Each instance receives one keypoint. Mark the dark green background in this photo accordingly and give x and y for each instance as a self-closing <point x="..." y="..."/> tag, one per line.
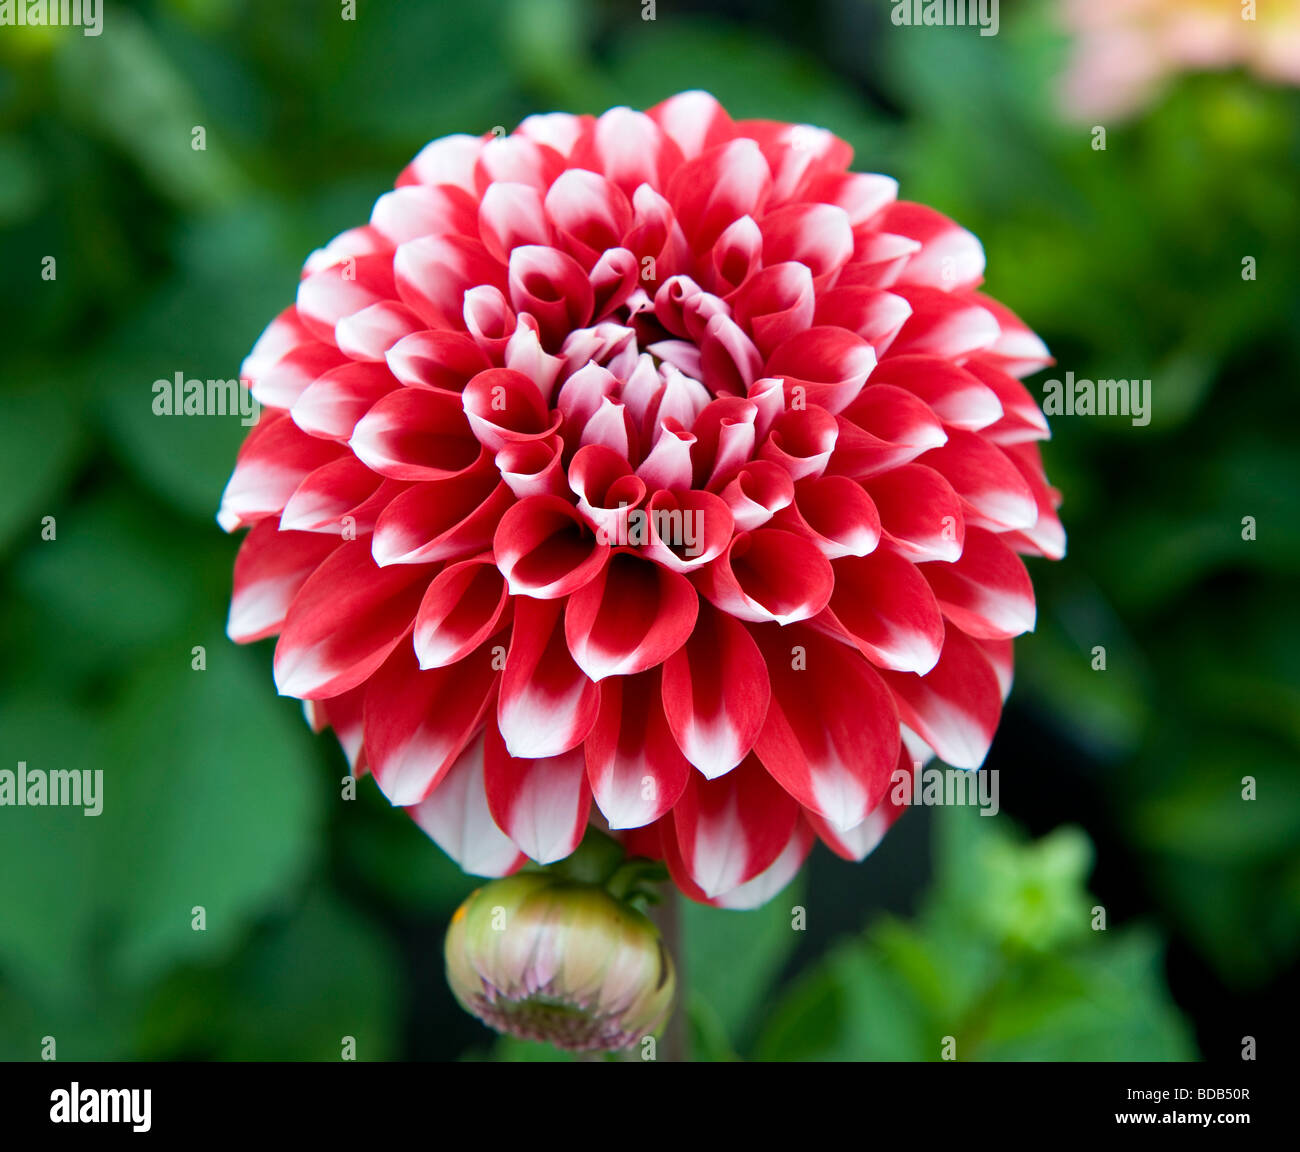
<point x="325" y="918"/>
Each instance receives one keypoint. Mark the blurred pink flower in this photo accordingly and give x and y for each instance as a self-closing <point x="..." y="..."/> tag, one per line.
<point x="1123" y="49"/>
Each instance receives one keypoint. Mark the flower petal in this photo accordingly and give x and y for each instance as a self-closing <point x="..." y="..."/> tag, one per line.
<point x="636" y="771"/>
<point x="541" y="804"/>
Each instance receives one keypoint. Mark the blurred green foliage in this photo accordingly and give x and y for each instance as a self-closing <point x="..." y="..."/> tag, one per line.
<point x="323" y="918"/>
<point x="1002" y="964"/>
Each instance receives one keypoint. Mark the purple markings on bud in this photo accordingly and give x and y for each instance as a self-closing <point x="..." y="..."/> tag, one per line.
<point x="548" y="959"/>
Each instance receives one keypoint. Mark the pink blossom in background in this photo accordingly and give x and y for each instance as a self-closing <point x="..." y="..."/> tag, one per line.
<point x="1124" y="49"/>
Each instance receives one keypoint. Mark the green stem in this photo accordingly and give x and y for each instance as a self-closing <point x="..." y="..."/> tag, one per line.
<point x="675" y="1045"/>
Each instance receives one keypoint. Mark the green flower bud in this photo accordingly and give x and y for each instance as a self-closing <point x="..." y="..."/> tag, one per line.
<point x="548" y="959"/>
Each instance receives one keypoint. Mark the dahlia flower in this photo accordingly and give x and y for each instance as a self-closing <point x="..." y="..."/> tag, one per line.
<point x="549" y="960"/>
<point x="1124" y="49"/>
<point x="651" y="471"/>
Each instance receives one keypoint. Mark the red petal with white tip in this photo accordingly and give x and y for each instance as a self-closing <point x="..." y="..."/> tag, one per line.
<point x="345" y="620"/>
<point x="1001" y="657"/>
<point x="695" y="121"/>
<point x="1016" y="349"/>
<point x="919" y="512"/>
<point x="630" y="148"/>
<point x="460" y="610"/>
<point x="415" y="434"/>
<point x="510" y="216"/>
<point x="987" y="592"/>
<point x="433" y="274"/>
<point x="830" y="364"/>
<point x="327" y="296"/>
<point x="344" y="714"/>
<point x="590" y="210"/>
<point x="417" y="723"/>
<point x="552" y="287"/>
<point x="370" y="333"/>
<point x="340" y="498"/>
<point x="544" y="549"/>
<point x="871" y="313"/>
<point x="688" y="529"/>
<point x="413" y="211"/>
<point x="280" y="337"/>
<point x="946" y="324"/>
<point x="274" y="460"/>
<point x="505" y="407"/>
<point x="455" y="816"/>
<point x="861" y="194"/>
<point x="831" y="737"/>
<point x="758" y="891"/>
<point x="541" y="804"/>
<point x="715" y="693"/>
<point x="954" y="708"/>
<point x="533" y="467"/>
<point x="950" y="257"/>
<point x="606" y="489"/>
<point x="801" y="441"/>
<point x="769" y="574"/>
<point x="883" y="605"/>
<point x="956" y="395"/>
<point x="547" y="703"/>
<point x="737" y="255"/>
<point x="759" y="491"/>
<point x="516" y="159"/>
<point x="440" y="360"/>
<point x="1047" y="536"/>
<point x="1022" y="419"/>
<point x="798" y="154"/>
<point x="449" y="160"/>
<point x="270" y="569"/>
<point x="775" y="305"/>
<point x="630" y="618"/>
<point x="884" y="428"/>
<point x="732" y="828"/>
<point x="993" y="493"/>
<point x="717" y="188"/>
<point x="441" y="520"/>
<point x="331" y="406"/>
<point x="279" y="384"/>
<point x="636" y="771"/>
<point x="819" y="236"/>
<point x="858" y="842"/>
<point x="835" y="513"/>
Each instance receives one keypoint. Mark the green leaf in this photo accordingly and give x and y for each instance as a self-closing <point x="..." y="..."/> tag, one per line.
<point x="999" y="966"/>
<point x="212" y="800"/>
<point x="713" y="940"/>
<point x="151" y="115"/>
<point x="40" y="442"/>
<point x="52" y="897"/>
<point x="310" y="984"/>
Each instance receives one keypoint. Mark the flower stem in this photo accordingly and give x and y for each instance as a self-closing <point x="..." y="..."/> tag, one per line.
<point x="667" y="916"/>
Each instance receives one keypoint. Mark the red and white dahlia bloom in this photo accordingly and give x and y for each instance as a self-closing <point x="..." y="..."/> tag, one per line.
<point x="650" y="470"/>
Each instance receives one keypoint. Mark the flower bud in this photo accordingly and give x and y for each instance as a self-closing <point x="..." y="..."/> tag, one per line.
<point x="549" y="959"/>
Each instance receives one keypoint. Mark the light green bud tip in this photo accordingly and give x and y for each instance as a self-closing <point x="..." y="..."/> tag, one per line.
<point x="549" y="959"/>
